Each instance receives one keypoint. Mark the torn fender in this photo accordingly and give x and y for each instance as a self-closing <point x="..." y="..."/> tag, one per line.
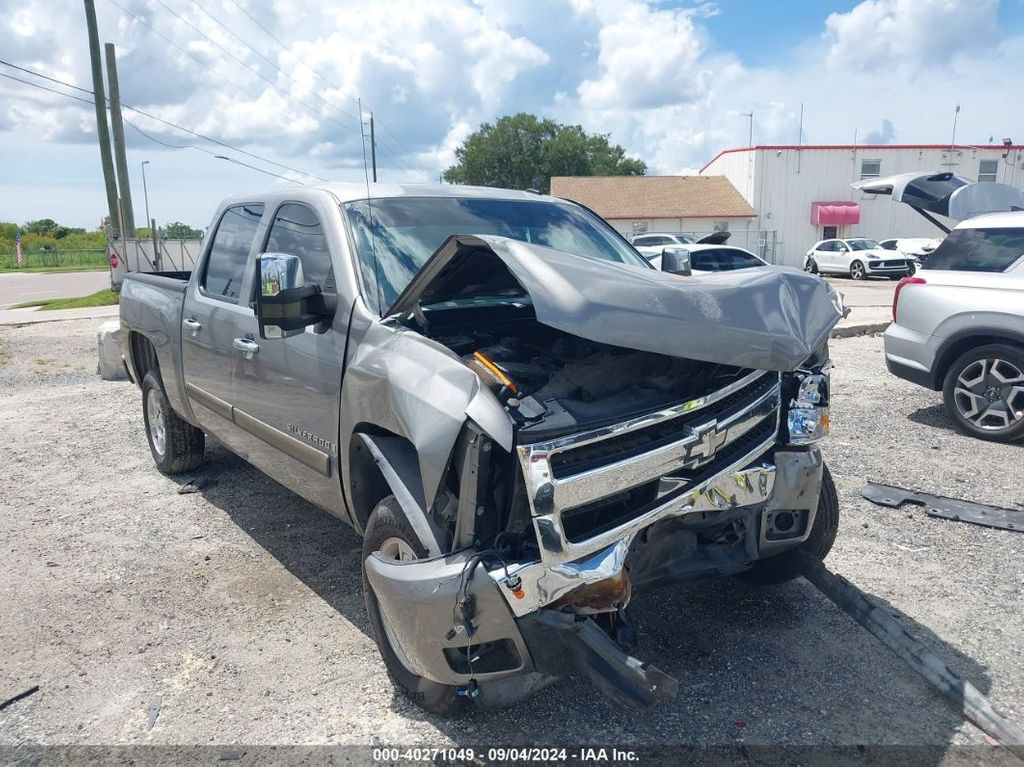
<point x="404" y="384"/>
<point x="769" y="318"/>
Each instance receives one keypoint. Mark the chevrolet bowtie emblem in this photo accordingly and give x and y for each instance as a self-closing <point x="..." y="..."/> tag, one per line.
<point x="709" y="439"/>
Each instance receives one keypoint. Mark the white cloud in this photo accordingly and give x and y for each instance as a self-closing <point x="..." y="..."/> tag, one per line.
<point x="645" y="72"/>
<point x="894" y="34"/>
<point x="648" y="58"/>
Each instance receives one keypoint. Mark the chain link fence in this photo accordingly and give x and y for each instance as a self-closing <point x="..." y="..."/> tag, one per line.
<point x="96" y="257"/>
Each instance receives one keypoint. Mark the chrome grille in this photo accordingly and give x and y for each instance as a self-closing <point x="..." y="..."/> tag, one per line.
<point x="569" y="479"/>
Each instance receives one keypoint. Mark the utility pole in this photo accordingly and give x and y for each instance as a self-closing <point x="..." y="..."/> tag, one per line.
<point x="952" y="142"/>
<point x="145" y="191"/>
<point x="120" y="157"/>
<point x="102" y="134"/>
<point x="373" y="149"/>
<point x="750" y="132"/>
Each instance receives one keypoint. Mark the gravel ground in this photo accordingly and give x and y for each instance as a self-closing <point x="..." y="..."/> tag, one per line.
<point x="239" y="606"/>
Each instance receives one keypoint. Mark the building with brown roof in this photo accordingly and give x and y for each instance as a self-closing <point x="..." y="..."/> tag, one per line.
<point x="634" y="204"/>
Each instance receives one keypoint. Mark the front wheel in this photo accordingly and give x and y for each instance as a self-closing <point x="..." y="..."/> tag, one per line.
<point x="177" y="446"/>
<point x="786" y="566"/>
<point x="857" y="270"/>
<point x="811" y="266"/>
<point x="984" y="392"/>
<point x="388" y="533"/>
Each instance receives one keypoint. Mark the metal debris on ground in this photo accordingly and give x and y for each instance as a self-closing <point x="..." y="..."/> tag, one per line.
<point x="964" y="695"/>
<point x="946" y="508"/>
<point x="153" y="711"/>
<point x="21" y="695"/>
<point x="193" y="486"/>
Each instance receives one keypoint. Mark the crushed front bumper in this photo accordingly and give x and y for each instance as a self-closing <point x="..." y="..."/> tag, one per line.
<point x="721" y="525"/>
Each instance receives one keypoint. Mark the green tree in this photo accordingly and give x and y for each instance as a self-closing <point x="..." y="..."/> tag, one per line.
<point x="179" y="231"/>
<point x="523" y="152"/>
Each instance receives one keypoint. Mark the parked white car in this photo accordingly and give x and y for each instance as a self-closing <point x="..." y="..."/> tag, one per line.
<point x="652" y="243"/>
<point x="705" y="259"/>
<point x="857" y="257"/>
<point x="916" y="249"/>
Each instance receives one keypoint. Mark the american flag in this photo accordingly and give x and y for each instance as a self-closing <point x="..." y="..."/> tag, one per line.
<point x="17" y="249"/>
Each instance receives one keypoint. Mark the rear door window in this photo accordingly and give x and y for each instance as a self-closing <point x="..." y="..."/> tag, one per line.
<point x="978" y="250"/>
<point x="737" y="259"/>
<point x="229" y="252"/>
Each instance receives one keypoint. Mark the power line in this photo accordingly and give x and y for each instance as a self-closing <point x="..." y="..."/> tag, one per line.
<point x="205" y="151"/>
<point x="169" y="41"/>
<point x="45" y="77"/>
<point x="320" y="77"/>
<point x="150" y="116"/>
<point x="44" y="88"/>
<point x="248" y="66"/>
<point x="240" y="39"/>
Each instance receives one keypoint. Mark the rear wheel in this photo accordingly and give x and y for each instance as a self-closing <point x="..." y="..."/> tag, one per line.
<point x="857" y="270"/>
<point x="177" y="446"/>
<point x="388" y="533"/>
<point x="785" y="566"/>
<point x="984" y="392"/>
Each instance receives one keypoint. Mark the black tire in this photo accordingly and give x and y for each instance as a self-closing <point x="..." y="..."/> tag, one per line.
<point x="811" y="267"/>
<point x="387" y="521"/>
<point x="857" y="271"/>
<point x="785" y="566"/>
<point x="177" y="446"/>
<point x="1011" y="356"/>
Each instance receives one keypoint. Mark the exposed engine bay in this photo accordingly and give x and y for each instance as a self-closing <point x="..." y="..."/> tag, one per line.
<point x="553" y="382"/>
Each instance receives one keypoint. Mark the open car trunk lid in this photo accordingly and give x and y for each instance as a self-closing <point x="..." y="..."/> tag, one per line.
<point x="946" y="194"/>
<point x="769" y="318"/>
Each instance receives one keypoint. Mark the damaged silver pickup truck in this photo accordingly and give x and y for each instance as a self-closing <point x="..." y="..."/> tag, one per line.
<point x="525" y="421"/>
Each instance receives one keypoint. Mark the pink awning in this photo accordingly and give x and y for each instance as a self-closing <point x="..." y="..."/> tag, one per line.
<point x="840" y="213"/>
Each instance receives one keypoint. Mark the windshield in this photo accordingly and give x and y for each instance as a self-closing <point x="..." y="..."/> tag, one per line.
<point x="406" y="231"/>
<point x="862" y="244"/>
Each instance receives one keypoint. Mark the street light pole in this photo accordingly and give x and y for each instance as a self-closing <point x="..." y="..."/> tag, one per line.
<point x="145" y="192"/>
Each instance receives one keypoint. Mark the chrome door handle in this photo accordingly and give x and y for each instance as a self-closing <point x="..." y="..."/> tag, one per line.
<point x="192" y="325"/>
<point x="247" y="346"/>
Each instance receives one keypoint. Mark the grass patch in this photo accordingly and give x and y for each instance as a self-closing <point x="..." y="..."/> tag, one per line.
<point x="105" y="297"/>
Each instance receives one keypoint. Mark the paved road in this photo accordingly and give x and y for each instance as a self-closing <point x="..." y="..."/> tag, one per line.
<point x="17" y="287"/>
<point x="866" y="293"/>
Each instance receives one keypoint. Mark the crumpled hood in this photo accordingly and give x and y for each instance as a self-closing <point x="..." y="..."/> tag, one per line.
<point x="766" y="318"/>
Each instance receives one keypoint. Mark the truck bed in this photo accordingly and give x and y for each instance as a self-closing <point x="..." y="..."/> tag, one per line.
<point x="176" y="281"/>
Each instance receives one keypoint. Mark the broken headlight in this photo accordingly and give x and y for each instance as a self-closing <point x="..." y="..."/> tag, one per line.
<point x="806" y="417"/>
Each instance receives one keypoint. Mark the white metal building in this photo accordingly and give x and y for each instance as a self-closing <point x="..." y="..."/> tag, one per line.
<point x="802" y="194"/>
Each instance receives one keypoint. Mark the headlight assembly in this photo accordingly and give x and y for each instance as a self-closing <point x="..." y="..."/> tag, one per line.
<point x="806" y="407"/>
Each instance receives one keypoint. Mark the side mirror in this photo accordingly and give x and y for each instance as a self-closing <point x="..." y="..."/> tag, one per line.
<point x="676" y="261"/>
<point x="285" y="306"/>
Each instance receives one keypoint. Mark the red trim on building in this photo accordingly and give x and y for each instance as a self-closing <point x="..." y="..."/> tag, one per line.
<point x="873" y="147"/>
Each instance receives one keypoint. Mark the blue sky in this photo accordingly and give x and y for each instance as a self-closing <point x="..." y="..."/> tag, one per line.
<point x="668" y="81"/>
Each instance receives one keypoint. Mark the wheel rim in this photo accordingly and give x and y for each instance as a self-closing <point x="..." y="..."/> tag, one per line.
<point x="857" y="271"/>
<point x="989" y="393"/>
<point x="157" y="426"/>
<point x="395" y="548"/>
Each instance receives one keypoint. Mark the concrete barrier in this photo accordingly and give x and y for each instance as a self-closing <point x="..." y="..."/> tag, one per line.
<point x="111" y="366"/>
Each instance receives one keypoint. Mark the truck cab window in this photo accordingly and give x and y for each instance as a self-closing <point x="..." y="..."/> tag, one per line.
<point x="229" y="251"/>
<point x="297" y="230"/>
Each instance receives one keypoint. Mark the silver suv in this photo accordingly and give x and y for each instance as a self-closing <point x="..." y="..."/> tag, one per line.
<point x="958" y="326"/>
